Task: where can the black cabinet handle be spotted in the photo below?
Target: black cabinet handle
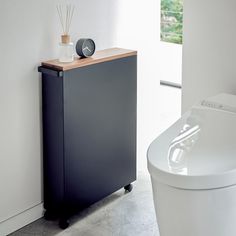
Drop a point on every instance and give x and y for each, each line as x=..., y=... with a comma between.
x=49, y=71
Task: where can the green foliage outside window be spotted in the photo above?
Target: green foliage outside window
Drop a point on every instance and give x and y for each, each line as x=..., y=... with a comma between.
x=172, y=21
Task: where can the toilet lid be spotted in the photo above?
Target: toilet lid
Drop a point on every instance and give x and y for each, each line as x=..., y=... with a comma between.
x=199, y=150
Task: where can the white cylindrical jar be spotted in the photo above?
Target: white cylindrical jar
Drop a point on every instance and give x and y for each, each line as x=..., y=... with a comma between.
x=66, y=49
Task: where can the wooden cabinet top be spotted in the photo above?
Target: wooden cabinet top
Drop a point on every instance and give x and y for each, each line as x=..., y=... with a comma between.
x=98, y=57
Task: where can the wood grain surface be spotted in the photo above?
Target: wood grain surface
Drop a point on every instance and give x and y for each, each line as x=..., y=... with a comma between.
x=98, y=57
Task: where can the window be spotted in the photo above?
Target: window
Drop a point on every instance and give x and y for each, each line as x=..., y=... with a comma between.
x=172, y=21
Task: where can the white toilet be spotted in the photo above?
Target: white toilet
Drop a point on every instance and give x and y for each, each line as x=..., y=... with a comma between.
x=193, y=171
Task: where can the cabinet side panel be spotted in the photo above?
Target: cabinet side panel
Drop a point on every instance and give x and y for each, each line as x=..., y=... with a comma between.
x=52, y=96
x=100, y=129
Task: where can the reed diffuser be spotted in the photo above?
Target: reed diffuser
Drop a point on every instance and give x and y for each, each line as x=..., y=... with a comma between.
x=65, y=13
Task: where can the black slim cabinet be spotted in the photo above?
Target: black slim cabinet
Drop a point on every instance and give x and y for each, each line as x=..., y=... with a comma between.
x=89, y=130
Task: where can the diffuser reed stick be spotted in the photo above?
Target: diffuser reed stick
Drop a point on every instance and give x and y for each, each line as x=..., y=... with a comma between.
x=65, y=14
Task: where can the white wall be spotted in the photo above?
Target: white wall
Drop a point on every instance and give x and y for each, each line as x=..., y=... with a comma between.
x=170, y=62
x=29, y=34
x=138, y=28
x=209, y=51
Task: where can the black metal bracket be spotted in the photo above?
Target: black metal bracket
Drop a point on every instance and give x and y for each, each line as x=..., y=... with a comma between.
x=49, y=71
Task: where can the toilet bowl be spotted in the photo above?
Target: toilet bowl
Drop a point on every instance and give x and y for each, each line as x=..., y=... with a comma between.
x=193, y=171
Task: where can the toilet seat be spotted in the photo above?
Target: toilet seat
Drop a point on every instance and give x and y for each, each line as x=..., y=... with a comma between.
x=205, y=139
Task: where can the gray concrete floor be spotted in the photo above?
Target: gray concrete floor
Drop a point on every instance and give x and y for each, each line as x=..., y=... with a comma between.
x=121, y=214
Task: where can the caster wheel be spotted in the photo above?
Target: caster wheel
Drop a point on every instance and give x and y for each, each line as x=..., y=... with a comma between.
x=49, y=216
x=128, y=188
x=63, y=223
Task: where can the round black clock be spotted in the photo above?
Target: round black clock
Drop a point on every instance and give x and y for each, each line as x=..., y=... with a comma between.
x=85, y=47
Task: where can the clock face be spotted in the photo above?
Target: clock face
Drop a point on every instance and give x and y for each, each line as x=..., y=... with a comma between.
x=85, y=47
x=88, y=47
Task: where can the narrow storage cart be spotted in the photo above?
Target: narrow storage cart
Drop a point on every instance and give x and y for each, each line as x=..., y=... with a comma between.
x=89, y=130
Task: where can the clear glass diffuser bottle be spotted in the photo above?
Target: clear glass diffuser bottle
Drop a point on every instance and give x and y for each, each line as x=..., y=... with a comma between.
x=66, y=49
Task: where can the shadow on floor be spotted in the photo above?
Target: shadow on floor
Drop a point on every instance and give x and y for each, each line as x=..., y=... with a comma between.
x=120, y=214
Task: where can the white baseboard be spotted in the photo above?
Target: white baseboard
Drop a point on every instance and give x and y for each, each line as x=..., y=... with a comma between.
x=20, y=220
